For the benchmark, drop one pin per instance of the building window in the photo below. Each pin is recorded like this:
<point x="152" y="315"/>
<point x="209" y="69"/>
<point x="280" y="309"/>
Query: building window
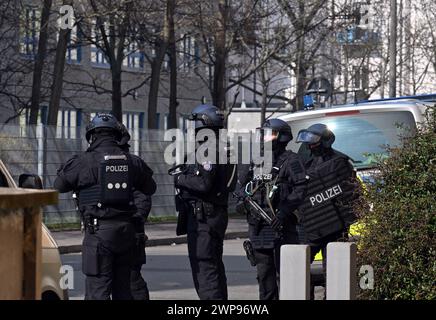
<point x="157" y="120"/>
<point x="190" y="53"/>
<point x="42" y="116"/>
<point x="166" y="119"/>
<point x="134" y="57"/>
<point x="360" y="77"/>
<point x="356" y="77"/>
<point x="29" y="31"/>
<point x="74" y="47"/>
<point x="131" y="120"/>
<point x="68" y="121"/>
<point x="166" y="63"/>
<point x="98" y="57"/>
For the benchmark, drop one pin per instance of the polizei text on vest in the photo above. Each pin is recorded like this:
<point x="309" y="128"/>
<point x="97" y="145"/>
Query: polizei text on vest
<point x="325" y="195"/>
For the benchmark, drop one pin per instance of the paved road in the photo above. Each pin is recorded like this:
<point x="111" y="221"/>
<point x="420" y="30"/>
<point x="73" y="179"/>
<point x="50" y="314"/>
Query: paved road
<point x="168" y="273"/>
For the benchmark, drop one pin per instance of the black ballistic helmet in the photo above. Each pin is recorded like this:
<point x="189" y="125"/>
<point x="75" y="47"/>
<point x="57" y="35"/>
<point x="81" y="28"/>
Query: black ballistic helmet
<point x="279" y="127"/>
<point x="103" y="120"/>
<point x="207" y="116"/>
<point x="317" y="133"/>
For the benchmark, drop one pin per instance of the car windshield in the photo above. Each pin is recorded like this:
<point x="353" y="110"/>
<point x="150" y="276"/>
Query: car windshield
<point x="362" y="136"/>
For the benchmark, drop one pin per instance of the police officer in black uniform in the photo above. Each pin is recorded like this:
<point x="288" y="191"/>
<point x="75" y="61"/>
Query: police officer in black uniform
<point x="317" y="143"/>
<point x="105" y="178"/>
<point x="138" y="285"/>
<point x="204" y="189"/>
<point x="289" y="176"/>
<point x="318" y="140"/>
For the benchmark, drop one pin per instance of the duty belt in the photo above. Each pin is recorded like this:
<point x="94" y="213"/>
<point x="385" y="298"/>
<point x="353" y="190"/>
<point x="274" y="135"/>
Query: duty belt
<point x="92" y="223"/>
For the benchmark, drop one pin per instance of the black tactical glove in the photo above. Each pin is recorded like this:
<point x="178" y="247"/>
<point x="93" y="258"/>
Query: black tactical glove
<point x="277" y="223"/>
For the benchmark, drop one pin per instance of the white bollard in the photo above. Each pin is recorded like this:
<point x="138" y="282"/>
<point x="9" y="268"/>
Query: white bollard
<point x="341" y="271"/>
<point x="294" y="272"/>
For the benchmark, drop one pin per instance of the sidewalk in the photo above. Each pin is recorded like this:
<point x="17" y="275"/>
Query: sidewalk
<point x="159" y="234"/>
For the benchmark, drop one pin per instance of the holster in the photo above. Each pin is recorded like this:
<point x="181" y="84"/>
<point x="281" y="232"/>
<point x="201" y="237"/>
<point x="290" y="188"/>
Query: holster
<point x="203" y="210"/>
<point x="139" y="255"/>
<point x="90" y="256"/>
<point x="91" y="224"/>
<point x="249" y="251"/>
<point x="182" y="218"/>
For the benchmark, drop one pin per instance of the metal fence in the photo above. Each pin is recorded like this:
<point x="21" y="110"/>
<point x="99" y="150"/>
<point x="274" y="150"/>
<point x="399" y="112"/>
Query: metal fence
<point x="42" y="149"/>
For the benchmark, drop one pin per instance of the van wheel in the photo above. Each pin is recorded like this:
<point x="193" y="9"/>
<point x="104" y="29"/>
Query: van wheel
<point x="49" y="295"/>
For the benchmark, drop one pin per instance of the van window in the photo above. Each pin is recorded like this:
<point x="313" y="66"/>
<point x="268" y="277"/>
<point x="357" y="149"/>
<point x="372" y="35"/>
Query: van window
<point x="362" y="136"/>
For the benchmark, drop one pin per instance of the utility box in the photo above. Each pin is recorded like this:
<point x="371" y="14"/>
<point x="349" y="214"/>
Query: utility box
<point x="20" y="241"/>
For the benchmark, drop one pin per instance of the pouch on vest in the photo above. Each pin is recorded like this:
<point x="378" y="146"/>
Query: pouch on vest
<point x="116" y="181"/>
<point x="327" y="206"/>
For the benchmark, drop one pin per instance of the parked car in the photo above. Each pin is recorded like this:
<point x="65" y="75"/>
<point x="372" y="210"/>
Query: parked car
<point x="51" y="259"/>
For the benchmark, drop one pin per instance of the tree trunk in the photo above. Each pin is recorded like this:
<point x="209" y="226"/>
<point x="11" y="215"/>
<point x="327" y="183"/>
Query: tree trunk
<point x="332" y="54"/>
<point x="39" y="63"/>
<point x="219" y="75"/>
<point x="156" y="65"/>
<point x="117" y="110"/>
<point x="219" y="94"/>
<point x="346" y="77"/>
<point x="56" y="88"/>
<point x="172" y="116"/>
<point x="393" y="49"/>
<point x="153" y="95"/>
<point x="301" y="73"/>
<point x="264" y="96"/>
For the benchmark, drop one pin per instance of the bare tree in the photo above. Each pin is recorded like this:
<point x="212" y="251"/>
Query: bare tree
<point x="157" y="35"/>
<point x="427" y="10"/>
<point x="309" y="19"/>
<point x="58" y="73"/>
<point x="39" y="62"/>
<point x="172" y="52"/>
<point x="12" y="70"/>
<point x="232" y="52"/>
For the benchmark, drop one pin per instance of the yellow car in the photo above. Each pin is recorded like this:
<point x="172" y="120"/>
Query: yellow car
<point x="51" y="259"/>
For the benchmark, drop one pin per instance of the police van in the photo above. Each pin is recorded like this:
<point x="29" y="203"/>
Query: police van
<point x="51" y="259"/>
<point x="364" y="130"/>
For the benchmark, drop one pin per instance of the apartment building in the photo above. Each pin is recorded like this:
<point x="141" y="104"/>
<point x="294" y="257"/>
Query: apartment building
<point x="87" y="76"/>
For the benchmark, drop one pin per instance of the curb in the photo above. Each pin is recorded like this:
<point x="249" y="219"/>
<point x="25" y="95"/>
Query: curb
<point x="76" y="248"/>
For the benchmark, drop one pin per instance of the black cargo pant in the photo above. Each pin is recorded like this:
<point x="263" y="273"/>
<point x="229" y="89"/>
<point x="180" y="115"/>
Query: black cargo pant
<point x="205" y="248"/>
<point x="107" y="261"/>
<point x="267" y="274"/>
<point x="138" y="285"/>
<point x="268" y="263"/>
<point x="315" y="247"/>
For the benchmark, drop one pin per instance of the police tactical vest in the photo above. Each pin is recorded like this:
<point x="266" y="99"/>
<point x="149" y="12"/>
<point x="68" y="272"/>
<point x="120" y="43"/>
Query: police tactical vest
<point x="261" y="235"/>
<point x="114" y="187"/>
<point x="116" y="181"/>
<point x="327" y="206"/>
<point x="270" y="177"/>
